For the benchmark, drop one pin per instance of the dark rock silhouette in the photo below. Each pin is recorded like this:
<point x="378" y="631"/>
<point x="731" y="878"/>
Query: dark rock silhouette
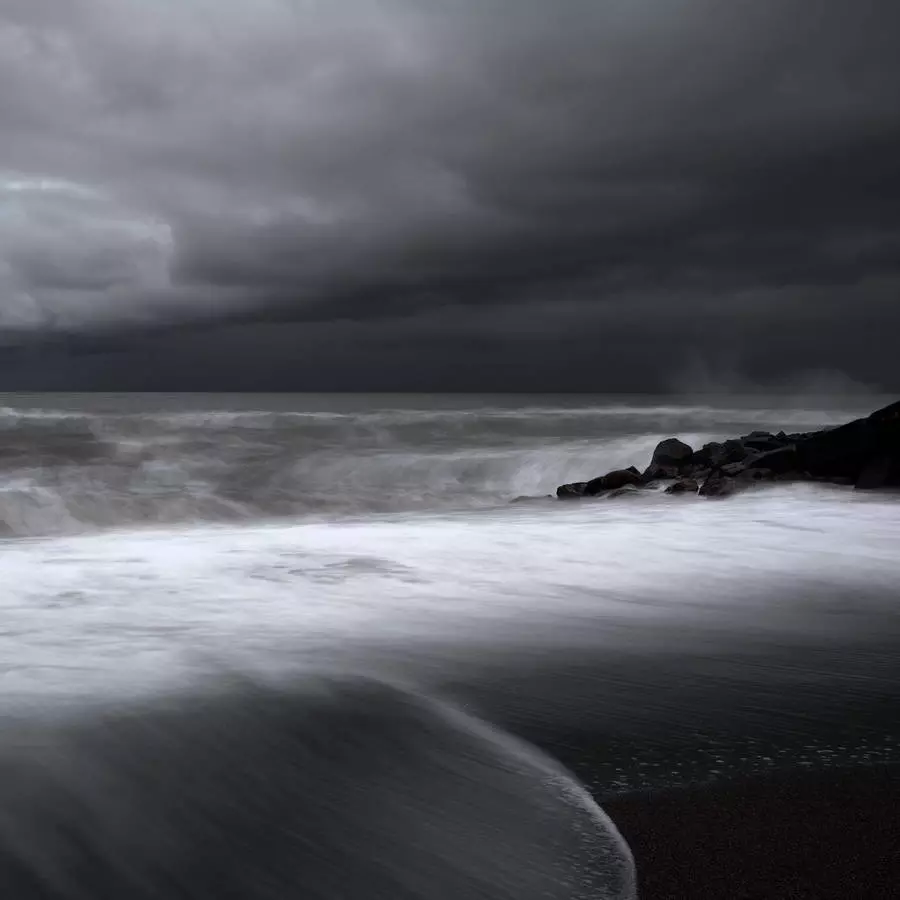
<point x="780" y="461"/>
<point x="670" y="457"/>
<point x="864" y="453"/>
<point x="878" y="473"/>
<point x="864" y="446"/>
<point x="672" y="452"/>
<point x="719" y="454"/>
<point x="718" y="484"/>
<point x="762" y="441"/>
<point x="684" y="486"/>
<point x="570" y="491"/>
<point x="612" y="481"/>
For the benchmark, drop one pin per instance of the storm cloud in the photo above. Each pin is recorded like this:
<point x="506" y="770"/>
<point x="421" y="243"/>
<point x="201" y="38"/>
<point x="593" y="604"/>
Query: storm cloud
<point x="354" y="194"/>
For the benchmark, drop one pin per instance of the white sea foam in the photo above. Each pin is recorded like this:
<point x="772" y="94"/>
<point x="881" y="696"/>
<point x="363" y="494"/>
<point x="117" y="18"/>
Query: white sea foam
<point x="80" y="609"/>
<point x="114" y="464"/>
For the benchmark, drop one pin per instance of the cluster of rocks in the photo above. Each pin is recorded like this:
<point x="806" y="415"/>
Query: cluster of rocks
<point x="864" y="453"/>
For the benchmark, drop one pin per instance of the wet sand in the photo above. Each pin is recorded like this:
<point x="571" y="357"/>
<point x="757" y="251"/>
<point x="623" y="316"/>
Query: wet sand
<point x="833" y="834"/>
<point x="744" y="770"/>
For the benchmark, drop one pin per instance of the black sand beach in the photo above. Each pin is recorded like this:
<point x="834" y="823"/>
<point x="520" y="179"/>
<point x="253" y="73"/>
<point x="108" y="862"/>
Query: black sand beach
<point x="760" y="769"/>
<point x="722" y="677"/>
<point x="800" y="836"/>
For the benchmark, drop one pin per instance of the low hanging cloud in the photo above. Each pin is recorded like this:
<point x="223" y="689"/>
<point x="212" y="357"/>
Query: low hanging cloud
<point x="269" y="192"/>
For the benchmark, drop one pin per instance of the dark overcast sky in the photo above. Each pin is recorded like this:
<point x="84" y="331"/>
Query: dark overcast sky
<point x="617" y="195"/>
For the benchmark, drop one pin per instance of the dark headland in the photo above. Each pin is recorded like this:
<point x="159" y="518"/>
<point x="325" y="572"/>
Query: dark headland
<point x="864" y="453"/>
<point x="813" y="835"/>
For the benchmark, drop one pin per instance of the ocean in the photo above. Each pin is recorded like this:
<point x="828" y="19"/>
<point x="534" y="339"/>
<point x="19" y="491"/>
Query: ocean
<point x="366" y="624"/>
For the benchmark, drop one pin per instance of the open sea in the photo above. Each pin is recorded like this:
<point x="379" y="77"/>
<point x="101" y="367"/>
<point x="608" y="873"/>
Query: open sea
<point x="351" y="646"/>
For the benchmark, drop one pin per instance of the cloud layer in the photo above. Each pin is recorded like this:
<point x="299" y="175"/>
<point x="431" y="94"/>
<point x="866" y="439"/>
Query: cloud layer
<point x="404" y="194"/>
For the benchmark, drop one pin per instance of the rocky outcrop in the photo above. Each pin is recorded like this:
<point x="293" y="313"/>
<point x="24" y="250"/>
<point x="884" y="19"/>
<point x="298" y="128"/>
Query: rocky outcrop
<point x="672" y="452"/>
<point x="612" y="481"/>
<point x="671" y="457"/>
<point x="718" y="484"/>
<point x="879" y="472"/>
<point x="715" y="454"/>
<point x="867" y="451"/>
<point x="684" y="486"/>
<point x="864" y="453"/>
<point x="571" y="491"/>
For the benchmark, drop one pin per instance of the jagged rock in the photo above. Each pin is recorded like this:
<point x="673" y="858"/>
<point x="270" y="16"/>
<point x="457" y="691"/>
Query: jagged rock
<point x="778" y="461"/>
<point x="718" y="454"/>
<point x="612" y="480"/>
<point x="718" y="484"/>
<point x="865" y="453"/>
<point x="737" y="475"/>
<point x="857" y="447"/>
<point x="762" y="441"/>
<point x="684" y="486"/>
<point x="736" y="451"/>
<point x="708" y="454"/>
<point x="571" y="491"/>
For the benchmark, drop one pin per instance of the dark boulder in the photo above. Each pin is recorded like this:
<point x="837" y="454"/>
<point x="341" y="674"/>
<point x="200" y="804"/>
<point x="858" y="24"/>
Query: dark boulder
<point x="620" y="478"/>
<point x="571" y="491"/>
<point x="768" y="466"/>
<point x="708" y="455"/>
<point x="870" y="445"/>
<point x="717" y="454"/>
<point x="684" y="486"/>
<point x="670" y="458"/>
<point x="779" y="462"/>
<point x="864" y="453"/>
<point x="672" y="453"/>
<point x="736" y="451"/>
<point x="718" y="484"/>
<point x="612" y="481"/>
<point x="762" y="441"/>
<point x="748" y="471"/>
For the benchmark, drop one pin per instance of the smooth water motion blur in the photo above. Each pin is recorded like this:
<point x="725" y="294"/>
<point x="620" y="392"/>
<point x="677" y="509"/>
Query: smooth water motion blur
<point x="334" y="788"/>
<point x="153" y="543"/>
<point x="80" y="463"/>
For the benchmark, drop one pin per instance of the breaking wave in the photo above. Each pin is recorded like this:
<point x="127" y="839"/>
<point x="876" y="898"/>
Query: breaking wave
<point x="69" y="471"/>
<point x="338" y="787"/>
